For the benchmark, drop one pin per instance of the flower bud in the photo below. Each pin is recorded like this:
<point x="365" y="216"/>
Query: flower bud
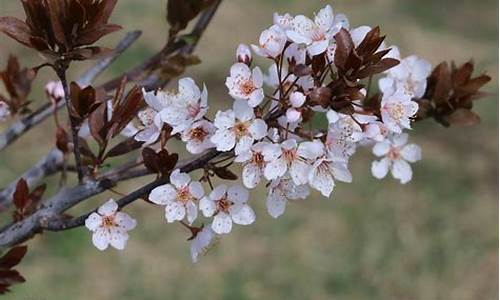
<point x="243" y="54"/>
<point x="54" y="90"/>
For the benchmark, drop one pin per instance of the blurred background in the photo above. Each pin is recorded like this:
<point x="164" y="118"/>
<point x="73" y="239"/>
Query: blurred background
<point x="434" y="238"/>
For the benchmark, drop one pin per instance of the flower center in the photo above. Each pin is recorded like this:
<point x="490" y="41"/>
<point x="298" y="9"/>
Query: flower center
<point x="198" y="134"/>
<point x="397" y="111"/>
<point x="240" y="129"/>
<point x="290" y="155"/>
<point x="108" y="222"/>
<point x="247" y="87"/>
<point x="394" y="153"/>
<point x="258" y="159"/>
<point x="223" y="204"/>
<point x="183" y="195"/>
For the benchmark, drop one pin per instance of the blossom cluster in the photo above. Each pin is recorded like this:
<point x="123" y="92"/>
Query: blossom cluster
<point x="268" y="130"/>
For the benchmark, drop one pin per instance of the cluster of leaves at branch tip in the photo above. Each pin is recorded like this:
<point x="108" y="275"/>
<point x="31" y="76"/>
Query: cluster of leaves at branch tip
<point x="17" y="82"/>
<point x="62" y="29"/>
<point x="9" y="276"/>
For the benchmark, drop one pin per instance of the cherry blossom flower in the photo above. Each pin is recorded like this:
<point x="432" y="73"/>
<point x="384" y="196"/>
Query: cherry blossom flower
<point x="179" y="197"/>
<point x="396" y="156"/>
<point x="349" y="124"/>
<point x="296" y="54"/>
<point x="271" y="42"/>
<point x="245" y="84"/>
<point x="396" y="110"/>
<point x="318" y="33"/>
<point x="280" y="191"/>
<point x="4" y="111"/>
<point x="227" y="205"/>
<point x="201" y="243"/>
<point x="243" y="54"/>
<point x="197" y="137"/>
<point x="188" y="105"/>
<point x="410" y="76"/>
<point x="238" y="125"/>
<point x="253" y="164"/>
<point x="109" y="226"/>
<point x="325" y="171"/>
<point x="292" y="157"/>
<point x="297" y="99"/>
<point x="283" y="21"/>
<point x="151" y="126"/>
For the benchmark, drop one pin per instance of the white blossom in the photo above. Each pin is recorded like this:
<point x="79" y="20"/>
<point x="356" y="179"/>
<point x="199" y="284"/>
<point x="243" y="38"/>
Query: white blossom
<point x="396" y="110"/>
<point x="325" y="171"/>
<point x="227" y="205"/>
<point x="237" y="127"/>
<point x="151" y="125"/>
<point x="245" y="84"/>
<point x="197" y="137"/>
<point x="410" y="76"/>
<point x="179" y="197"/>
<point x="201" y="243"/>
<point x="271" y="42"/>
<point x="187" y="106"/>
<point x="292" y="157"/>
<point x="253" y="164"/>
<point x="318" y="33"/>
<point x="109" y="226"/>
<point x="4" y="111"/>
<point x="396" y="156"/>
<point x="280" y="191"/>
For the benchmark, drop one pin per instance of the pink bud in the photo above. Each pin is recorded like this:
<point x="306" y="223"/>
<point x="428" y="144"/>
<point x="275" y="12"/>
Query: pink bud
<point x="54" y="90"/>
<point x="243" y="54"/>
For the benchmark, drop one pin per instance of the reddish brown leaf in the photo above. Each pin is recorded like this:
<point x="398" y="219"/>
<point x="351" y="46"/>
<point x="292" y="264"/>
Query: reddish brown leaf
<point x="383" y="65"/>
<point x="463" y="117"/>
<point x="21" y="194"/>
<point x="344" y="47"/>
<point x="167" y="161"/>
<point x="124" y="147"/>
<point x="151" y="160"/>
<point x="97" y="122"/>
<point x="62" y="140"/>
<point x="13" y="257"/>
<point x="225" y="173"/>
<point x="16" y="29"/>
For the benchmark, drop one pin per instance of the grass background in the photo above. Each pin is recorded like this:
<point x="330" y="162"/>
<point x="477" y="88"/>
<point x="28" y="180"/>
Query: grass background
<point x="435" y="238"/>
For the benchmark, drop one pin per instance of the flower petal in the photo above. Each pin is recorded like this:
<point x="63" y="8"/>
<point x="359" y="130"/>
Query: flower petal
<point x="244" y="216"/>
<point x="108" y="208"/>
<point x="222" y="223"/>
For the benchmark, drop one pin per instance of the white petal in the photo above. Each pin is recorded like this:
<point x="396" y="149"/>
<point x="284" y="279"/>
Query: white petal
<point x="317" y="47"/>
<point x="100" y="239"/>
<point x="380" y="168"/>
<point x="118" y="239"/>
<point x="400" y="139"/>
<point x="276" y="204"/>
<point x="218" y="192"/>
<point x="242" y="111"/>
<point x="275" y="169"/>
<point x="93" y="222"/>
<point x="271" y="152"/>
<point x="293" y="115"/>
<point x="237" y="194"/>
<point x="401" y="170"/>
<point x="340" y="171"/>
<point x="243" y="147"/>
<point x="224" y="119"/>
<point x="382" y="148"/>
<point x="196" y="189"/>
<point x="297" y="99"/>
<point x="244" y="216"/>
<point x="240" y="69"/>
<point x="322" y="181"/>
<point x="108" y="208"/>
<point x="174" y="211"/>
<point x="299" y="171"/>
<point x="224" y="140"/>
<point x="124" y="221"/>
<point x="411" y="153"/>
<point x="163" y="194"/>
<point x="179" y="179"/>
<point x="256" y="98"/>
<point x="311" y="150"/>
<point x="257" y="77"/>
<point x="207" y="207"/>
<point x="191" y="212"/>
<point x="258" y="129"/>
<point x="222" y="223"/>
<point x="332" y="116"/>
<point x="251" y="175"/>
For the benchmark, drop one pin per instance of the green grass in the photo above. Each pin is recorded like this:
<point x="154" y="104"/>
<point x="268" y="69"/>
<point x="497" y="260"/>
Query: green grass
<point x="434" y="238"/>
